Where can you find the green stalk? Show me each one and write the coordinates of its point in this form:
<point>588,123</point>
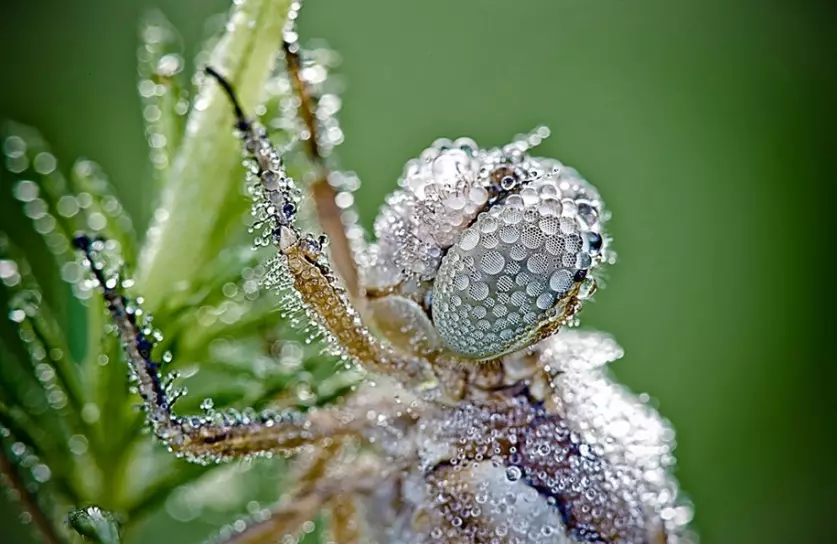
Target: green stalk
<point>209,159</point>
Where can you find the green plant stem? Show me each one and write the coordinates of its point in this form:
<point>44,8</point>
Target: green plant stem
<point>28,501</point>
<point>64,373</point>
<point>209,159</point>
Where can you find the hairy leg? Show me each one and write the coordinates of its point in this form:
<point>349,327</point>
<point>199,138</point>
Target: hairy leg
<point>343,527</point>
<point>345,524</point>
<point>303,264</point>
<point>323,191</point>
<point>223,436</point>
<point>325,483</point>
<point>285,519</point>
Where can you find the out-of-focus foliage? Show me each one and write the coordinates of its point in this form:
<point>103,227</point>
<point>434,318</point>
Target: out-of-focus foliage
<point>69,430</point>
<point>706,125</point>
<point>94,524</point>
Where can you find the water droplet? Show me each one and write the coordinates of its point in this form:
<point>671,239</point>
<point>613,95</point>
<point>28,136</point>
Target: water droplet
<point>26,191</point>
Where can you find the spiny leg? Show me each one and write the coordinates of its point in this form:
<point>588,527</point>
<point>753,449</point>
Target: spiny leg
<point>329,213</point>
<point>329,478</point>
<point>327,485</point>
<point>221,436</point>
<point>302,260</point>
<point>344,520</point>
<point>307,101</point>
<point>286,519</point>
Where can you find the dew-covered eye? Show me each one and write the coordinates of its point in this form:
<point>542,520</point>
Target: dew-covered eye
<point>513,269</point>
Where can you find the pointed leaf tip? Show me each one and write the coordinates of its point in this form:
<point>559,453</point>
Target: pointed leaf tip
<point>207,168</point>
<point>95,525</point>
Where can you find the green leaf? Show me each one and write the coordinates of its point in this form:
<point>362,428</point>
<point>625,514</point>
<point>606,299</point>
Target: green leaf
<point>95,524</point>
<point>103,212</point>
<point>207,166</point>
<point>165,98</point>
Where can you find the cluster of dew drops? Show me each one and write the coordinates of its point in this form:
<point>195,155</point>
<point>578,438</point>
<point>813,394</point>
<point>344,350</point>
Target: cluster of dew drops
<point>55,212</point>
<point>50,208</point>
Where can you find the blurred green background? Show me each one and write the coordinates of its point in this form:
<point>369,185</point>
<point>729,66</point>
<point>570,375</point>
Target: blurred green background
<point>706,125</point>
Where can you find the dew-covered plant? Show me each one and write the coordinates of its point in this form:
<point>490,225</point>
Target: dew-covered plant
<point>410,389</point>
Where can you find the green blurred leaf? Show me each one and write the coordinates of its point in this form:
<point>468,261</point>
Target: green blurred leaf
<point>163,91</point>
<point>102,211</point>
<point>95,524</point>
<point>207,168</point>
<point>110,460</point>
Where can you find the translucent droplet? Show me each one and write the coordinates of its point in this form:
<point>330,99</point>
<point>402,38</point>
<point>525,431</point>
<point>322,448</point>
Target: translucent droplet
<point>26,190</point>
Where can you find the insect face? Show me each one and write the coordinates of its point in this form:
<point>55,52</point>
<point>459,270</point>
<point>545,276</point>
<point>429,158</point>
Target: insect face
<point>493,243</point>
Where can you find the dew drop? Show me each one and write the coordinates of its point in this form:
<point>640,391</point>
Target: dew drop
<point>26,191</point>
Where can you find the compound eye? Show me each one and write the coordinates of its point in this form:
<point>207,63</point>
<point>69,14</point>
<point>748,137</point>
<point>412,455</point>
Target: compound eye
<point>512,271</point>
